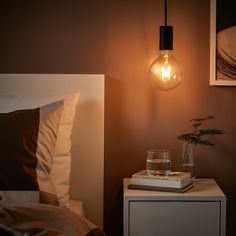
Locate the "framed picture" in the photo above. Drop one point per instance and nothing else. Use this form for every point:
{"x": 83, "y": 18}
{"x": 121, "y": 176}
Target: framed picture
{"x": 222, "y": 43}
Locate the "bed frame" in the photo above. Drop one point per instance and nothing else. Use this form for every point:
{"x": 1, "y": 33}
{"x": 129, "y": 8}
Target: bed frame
{"x": 87, "y": 171}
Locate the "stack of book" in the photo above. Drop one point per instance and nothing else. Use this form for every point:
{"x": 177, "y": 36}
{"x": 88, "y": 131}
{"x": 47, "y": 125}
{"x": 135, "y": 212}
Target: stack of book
{"x": 174, "y": 182}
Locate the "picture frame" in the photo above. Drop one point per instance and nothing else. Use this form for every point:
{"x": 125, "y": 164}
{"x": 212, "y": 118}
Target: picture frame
{"x": 220, "y": 54}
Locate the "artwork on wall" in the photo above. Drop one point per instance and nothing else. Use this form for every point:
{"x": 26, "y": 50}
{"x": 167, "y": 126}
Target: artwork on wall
{"x": 223, "y": 43}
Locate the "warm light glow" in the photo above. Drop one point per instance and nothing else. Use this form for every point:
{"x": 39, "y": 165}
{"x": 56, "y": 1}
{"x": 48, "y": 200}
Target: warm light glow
{"x": 165, "y": 72}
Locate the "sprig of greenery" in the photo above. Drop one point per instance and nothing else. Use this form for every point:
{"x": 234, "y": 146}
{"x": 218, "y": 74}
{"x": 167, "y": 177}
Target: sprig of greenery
{"x": 198, "y": 136}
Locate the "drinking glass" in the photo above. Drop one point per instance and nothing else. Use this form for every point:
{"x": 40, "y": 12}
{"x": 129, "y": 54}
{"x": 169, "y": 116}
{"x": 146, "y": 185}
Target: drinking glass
{"x": 158, "y": 162}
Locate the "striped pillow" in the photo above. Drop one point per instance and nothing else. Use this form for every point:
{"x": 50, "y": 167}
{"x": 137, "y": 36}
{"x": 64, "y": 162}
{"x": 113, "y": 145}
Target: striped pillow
{"x": 27, "y": 142}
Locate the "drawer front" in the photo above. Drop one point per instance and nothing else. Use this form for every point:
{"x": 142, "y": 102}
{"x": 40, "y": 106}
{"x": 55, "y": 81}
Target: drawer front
{"x": 170, "y": 218}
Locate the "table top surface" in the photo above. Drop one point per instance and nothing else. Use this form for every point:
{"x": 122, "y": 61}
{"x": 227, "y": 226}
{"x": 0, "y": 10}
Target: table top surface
{"x": 203, "y": 189}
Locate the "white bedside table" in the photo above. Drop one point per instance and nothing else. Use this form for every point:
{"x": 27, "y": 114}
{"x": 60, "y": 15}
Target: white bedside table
{"x": 201, "y": 211}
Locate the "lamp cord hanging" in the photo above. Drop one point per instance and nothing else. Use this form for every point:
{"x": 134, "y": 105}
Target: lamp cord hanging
{"x": 165, "y": 12}
{"x": 166, "y": 34}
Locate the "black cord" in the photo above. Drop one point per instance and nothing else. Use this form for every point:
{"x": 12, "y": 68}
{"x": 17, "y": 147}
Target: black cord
{"x": 165, "y": 12}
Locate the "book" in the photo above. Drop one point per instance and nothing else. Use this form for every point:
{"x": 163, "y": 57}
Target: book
{"x": 165, "y": 189}
{"x": 177, "y": 180}
{"x": 174, "y": 175}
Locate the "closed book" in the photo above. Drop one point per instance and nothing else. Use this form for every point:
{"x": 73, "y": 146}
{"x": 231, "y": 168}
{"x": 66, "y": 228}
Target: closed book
{"x": 165, "y": 189}
{"x": 164, "y": 181}
{"x": 175, "y": 176}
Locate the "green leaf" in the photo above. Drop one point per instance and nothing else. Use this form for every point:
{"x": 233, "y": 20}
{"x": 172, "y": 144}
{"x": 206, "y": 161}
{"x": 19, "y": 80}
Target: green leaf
{"x": 202, "y": 119}
{"x": 196, "y": 125}
{"x": 206, "y": 142}
{"x": 189, "y": 137}
{"x": 203, "y": 132}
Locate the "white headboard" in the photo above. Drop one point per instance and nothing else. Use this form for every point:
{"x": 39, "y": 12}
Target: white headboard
{"x": 88, "y": 130}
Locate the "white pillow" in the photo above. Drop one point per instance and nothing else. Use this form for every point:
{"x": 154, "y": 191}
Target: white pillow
{"x": 60, "y": 172}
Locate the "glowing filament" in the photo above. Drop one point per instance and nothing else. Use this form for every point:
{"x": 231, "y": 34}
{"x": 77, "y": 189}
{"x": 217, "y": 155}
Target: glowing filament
{"x": 165, "y": 72}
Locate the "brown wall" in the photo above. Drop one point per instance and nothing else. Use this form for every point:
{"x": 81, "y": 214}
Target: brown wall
{"x": 120, "y": 39}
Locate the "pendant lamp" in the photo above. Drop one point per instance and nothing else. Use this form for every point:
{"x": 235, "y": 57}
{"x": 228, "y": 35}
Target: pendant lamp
{"x": 165, "y": 72}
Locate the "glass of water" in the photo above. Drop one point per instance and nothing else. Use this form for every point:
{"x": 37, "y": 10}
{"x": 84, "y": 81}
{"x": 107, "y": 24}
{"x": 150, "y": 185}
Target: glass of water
{"x": 158, "y": 162}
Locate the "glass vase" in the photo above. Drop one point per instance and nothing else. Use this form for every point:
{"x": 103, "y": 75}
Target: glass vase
{"x": 187, "y": 161}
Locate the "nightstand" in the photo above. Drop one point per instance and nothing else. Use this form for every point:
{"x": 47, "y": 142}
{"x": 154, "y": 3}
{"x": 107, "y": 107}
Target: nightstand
{"x": 201, "y": 211}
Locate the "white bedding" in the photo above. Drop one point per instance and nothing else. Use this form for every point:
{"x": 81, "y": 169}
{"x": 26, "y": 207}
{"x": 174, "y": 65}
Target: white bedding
{"x": 43, "y": 219}
{"x": 77, "y": 207}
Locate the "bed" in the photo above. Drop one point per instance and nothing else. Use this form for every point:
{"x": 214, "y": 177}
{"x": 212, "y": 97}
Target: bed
{"x": 54, "y": 95}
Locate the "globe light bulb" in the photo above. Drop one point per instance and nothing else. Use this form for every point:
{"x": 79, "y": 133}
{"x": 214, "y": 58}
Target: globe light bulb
{"x": 165, "y": 72}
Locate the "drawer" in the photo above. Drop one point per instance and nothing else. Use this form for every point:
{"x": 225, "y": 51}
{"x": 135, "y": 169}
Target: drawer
{"x": 174, "y": 218}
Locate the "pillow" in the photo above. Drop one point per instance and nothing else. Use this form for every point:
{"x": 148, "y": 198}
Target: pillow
{"x": 27, "y": 142}
{"x": 62, "y": 156}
